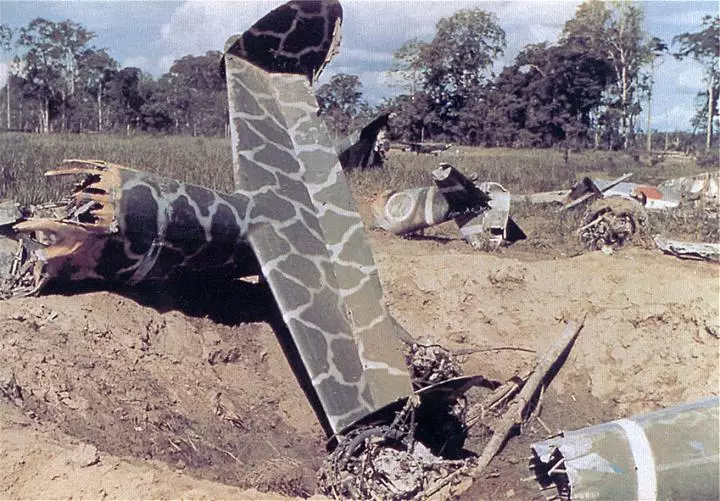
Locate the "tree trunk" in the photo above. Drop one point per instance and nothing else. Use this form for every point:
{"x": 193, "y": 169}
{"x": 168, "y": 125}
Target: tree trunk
{"x": 45, "y": 116}
{"x": 63, "y": 117}
{"x": 649, "y": 131}
{"x": 99, "y": 104}
{"x": 708, "y": 138}
{"x": 7, "y": 90}
{"x": 623, "y": 107}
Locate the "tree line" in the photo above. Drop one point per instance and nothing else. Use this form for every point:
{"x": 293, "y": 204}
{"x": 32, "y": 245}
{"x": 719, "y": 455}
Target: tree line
{"x": 586, "y": 90}
{"x": 59, "y": 82}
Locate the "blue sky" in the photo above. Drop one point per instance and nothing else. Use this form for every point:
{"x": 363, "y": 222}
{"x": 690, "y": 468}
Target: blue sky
{"x": 151, "y": 35}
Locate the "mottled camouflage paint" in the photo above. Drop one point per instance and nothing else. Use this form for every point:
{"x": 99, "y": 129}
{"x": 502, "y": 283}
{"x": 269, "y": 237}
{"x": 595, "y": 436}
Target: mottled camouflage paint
{"x": 310, "y": 239}
{"x": 668, "y": 454}
{"x": 127, "y": 227}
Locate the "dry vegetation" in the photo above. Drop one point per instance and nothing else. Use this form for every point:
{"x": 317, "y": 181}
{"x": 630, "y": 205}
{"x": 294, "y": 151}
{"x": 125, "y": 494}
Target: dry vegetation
{"x": 208, "y": 162}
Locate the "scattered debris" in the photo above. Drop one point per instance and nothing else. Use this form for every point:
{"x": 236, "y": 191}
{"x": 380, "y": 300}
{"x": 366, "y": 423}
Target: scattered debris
{"x": 430, "y": 364}
{"x": 702, "y": 189}
{"x": 668, "y": 454}
{"x": 689, "y": 250}
{"x": 425, "y": 147}
{"x": 480, "y": 210}
{"x": 366, "y": 147}
{"x": 388, "y": 462}
{"x": 382, "y": 463}
{"x": 612, "y": 222}
{"x": 520, "y": 407}
{"x": 617, "y": 211}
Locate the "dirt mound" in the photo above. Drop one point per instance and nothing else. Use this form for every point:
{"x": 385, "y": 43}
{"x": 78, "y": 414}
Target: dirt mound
{"x": 215, "y": 401}
{"x": 193, "y": 397}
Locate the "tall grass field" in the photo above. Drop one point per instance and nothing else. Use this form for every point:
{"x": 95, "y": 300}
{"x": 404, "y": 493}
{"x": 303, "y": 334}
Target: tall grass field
{"x": 208, "y": 162}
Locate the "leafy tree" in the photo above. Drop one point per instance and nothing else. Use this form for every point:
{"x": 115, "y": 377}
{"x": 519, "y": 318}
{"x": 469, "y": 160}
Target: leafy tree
{"x": 546, "y": 97}
{"x": 123, "y": 94}
{"x": 341, "y": 103}
{"x": 197, "y": 92}
{"x": 408, "y": 65}
{"x": 458, "y": 58}
{"x": 615, "y": 31}
{"x": 97, "y": 69}
{"x": 408, "y": 123}
{"x": 51, "y": 63}
{"x": 446, "y": 74}
{"x": 704, "y": 47}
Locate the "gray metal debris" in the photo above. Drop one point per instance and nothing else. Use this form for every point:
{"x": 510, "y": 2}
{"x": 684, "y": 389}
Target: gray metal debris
{"x": 668, "y": 454}
{"x": 702, "y": 189}
{"x": 366, "y": 147}
{"x": 480, "y": 210}
{"x": 689, "y": 250}
{"x": 9, "y": 212}
{"x": 683, "y": 191}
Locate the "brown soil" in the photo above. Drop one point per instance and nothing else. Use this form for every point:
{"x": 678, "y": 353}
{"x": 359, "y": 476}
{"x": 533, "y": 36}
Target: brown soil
{"x": 150, "y": 396}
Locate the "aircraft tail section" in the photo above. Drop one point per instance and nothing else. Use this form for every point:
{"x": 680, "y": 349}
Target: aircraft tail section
{"x": 304, "y": 227}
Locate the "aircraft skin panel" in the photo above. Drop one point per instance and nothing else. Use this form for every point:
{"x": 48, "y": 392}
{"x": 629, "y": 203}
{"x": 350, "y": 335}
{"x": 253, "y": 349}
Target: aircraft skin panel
{"x": 354, "y": 266}
{"x": 304, "y": 228}
{"x": 288, "y": 241}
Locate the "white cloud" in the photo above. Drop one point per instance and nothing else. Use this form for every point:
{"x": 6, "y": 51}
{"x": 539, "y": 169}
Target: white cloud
{"x": 689, "y": 77}
{"x": 141, "y": 62}
{"x": 197, "y": 27}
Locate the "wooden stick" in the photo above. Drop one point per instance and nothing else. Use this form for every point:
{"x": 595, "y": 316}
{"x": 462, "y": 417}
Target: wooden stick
{"x": 514, "y": 415}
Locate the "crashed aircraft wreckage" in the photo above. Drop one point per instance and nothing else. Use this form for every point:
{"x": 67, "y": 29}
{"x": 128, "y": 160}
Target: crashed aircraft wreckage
{"x": 366, "y": 147}
{"x": 667, "y": 454}
{"x": 290, "y": 219}
{"x": 480, "y": 210}
{"x": 617, "y": 210}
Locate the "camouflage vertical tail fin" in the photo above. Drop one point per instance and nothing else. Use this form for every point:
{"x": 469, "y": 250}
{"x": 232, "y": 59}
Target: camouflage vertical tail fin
{"x": 304, "y": 228}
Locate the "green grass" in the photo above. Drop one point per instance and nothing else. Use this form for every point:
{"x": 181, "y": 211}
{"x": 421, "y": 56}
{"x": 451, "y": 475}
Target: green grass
{"x": 528, "y": 170}
{"x": 208, "y": 162}
{"x": 25, "y": 157}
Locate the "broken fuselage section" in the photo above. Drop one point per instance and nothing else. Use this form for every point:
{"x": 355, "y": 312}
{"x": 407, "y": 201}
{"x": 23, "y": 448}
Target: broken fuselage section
{"x": 122, "y": 226}
{"x": 668, "y": 454}
{"x": 480, "y": 210}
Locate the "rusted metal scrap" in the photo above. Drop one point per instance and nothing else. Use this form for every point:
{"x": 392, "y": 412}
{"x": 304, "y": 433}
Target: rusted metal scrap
{"x": 668, "y": 454}
{"x": 479, "y": 209}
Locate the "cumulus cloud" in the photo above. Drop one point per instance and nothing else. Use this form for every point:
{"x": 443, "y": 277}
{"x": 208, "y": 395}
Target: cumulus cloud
{"x": 197, "y": 27}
